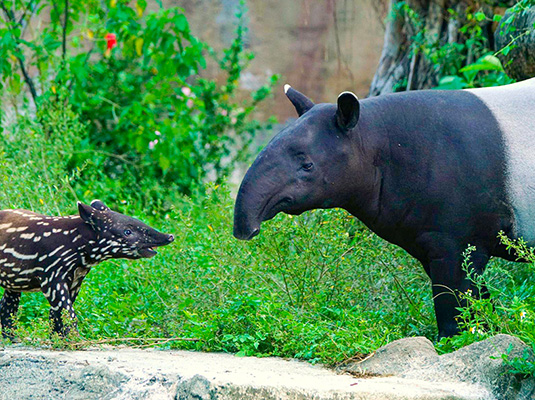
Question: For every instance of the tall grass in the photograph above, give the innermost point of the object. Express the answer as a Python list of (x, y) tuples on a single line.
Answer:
[(319, 287)]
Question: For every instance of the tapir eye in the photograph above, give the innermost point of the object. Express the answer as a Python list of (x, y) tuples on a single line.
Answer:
[(127, 232), (308, 166)]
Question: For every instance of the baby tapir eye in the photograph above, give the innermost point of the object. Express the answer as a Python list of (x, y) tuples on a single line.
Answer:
[(127, 232), (307, 166)]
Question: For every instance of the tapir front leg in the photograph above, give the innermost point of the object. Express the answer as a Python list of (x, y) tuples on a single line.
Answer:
[(449, 281), (9, 306), (61, 306)]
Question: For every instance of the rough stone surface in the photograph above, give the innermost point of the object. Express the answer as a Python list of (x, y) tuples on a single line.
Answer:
[(407, 367), (519, 63), (478, 364), (195, 388), (36, 375)]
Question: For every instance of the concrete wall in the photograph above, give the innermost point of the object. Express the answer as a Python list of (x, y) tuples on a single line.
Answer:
[(320, 47)]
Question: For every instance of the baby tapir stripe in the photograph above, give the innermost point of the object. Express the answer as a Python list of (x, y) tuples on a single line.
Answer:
[(54, 254)]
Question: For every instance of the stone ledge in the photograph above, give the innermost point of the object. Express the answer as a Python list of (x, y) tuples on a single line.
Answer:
[(124, 373)]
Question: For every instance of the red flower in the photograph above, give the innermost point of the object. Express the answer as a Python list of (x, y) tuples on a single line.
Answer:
[(111, 41)]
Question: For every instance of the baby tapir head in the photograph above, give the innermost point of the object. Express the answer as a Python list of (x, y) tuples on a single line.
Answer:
[(126, 237)]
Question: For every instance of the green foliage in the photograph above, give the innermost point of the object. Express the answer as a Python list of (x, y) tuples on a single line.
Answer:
[(139, 92), (337, 291), (509, 309), (453, 61), (34, 159), (319, 287), (470, 76), (143, 103)]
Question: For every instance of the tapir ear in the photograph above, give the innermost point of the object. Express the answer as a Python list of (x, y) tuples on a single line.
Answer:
[(348, 112), (301, 103), (99, 205), (87, 213)]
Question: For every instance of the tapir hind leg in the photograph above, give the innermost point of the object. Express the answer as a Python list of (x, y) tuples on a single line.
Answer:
[(9, 306), (449, 280)]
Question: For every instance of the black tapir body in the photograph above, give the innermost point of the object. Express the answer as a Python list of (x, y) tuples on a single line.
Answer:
[(431, 171), (54, 254)]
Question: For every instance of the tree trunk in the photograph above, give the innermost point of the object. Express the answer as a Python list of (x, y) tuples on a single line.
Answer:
[(429, 23), (519, 61)]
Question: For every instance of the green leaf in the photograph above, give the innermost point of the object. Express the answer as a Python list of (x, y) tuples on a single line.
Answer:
[(181, 23), (486, 63), (451, 83), (480, 16), (164, 163)]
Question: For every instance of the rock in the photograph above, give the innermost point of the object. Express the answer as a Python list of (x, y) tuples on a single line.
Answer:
[(195, 388), (519, 63), (397, 358), (479, 364), (39, 377)]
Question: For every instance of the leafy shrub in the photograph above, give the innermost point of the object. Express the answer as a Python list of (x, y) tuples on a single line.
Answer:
[(133, 77), (358, 292), (145, 104), (509, 309), (452, 60), (35, 157)]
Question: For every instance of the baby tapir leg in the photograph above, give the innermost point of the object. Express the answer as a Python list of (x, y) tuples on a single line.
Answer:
[(9, 306), (59, 297)]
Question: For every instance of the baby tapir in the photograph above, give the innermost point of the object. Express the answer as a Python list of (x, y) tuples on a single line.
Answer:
[(54, 254)]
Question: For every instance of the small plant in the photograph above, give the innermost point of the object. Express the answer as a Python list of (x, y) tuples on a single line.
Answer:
[(466, 63), (509, 309)]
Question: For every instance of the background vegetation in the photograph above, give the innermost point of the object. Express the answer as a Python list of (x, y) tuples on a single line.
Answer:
[(116, 108)]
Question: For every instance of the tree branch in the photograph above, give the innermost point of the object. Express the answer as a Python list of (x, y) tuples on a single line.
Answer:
[(9, 14), (11, 18), (65, 20), (31, 7)]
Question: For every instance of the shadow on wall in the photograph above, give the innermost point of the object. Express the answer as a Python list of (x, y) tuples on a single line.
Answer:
[(320, 47)]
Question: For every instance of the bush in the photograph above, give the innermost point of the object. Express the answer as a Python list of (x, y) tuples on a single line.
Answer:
[(35, 159), (133, 77), (145, 103), (509, 309), (318, 287)]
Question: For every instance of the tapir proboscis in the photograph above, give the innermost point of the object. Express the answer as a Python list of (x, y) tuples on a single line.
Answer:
[(430, 171)]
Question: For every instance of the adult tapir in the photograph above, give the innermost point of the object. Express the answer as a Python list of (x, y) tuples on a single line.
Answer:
[(431, 171)]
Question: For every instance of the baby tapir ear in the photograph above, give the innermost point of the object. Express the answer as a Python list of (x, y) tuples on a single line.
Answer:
[(348, 112), (301, 103), (87, 213), (99, 205)]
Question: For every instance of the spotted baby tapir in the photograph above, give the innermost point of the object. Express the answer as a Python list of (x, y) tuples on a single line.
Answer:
[(54, 254)]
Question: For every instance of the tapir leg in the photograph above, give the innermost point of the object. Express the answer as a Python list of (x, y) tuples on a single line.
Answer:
[(9, 306), (59, 297), (449, 279)]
